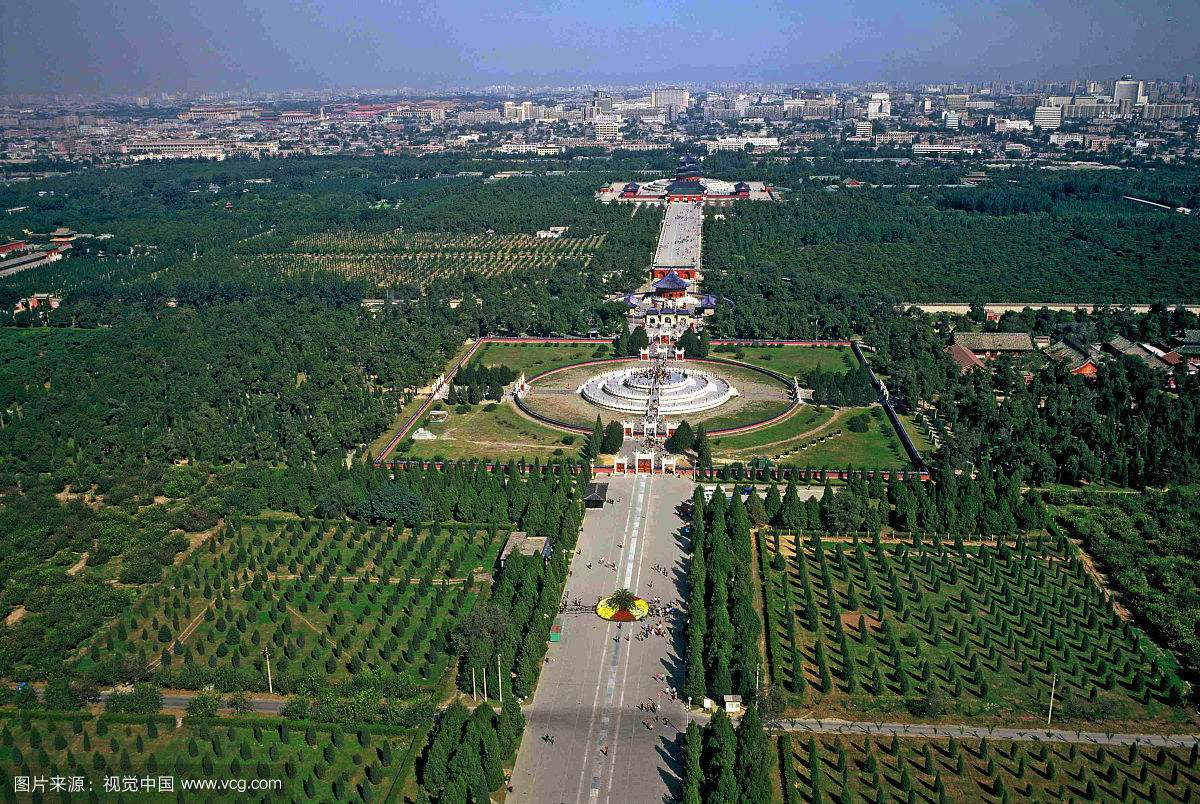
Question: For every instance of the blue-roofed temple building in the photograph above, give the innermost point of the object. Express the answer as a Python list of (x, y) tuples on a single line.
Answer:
[(671, 286)]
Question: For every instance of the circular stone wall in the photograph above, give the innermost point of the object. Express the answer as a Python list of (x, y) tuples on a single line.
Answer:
[(680, 391)]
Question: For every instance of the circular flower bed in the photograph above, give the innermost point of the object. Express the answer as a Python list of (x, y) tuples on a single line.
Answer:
[(637, 611)]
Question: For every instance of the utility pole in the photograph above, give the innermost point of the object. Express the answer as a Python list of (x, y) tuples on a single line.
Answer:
[(267, 656), (473, 698), (1053, 684), (485, 685), (499, 679)]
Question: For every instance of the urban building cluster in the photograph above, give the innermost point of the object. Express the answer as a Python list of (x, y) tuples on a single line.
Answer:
[(1118, 117)]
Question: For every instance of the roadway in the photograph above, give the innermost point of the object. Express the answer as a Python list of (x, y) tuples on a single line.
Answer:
[(590, 690)]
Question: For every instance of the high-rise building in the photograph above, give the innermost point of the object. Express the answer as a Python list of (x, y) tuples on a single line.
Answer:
[(879, 106), (669, 96), (951, 120), (608, 127), (1129, 92), (864, 128), (1048, 118)]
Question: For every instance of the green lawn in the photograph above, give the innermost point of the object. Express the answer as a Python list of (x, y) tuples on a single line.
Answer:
[(920, 441), (829, 443), (806, 418), (534, 358), (502, 433), (412, 406), (878, 448), (794, 360)]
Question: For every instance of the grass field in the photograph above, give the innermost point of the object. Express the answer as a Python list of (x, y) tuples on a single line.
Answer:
[(871, 628), (313, 763), (534, 358), (864, 769), (919, 439), (412, 406), (502, 433), (332, 599), (795, 361), (818, 437), (806, 419)]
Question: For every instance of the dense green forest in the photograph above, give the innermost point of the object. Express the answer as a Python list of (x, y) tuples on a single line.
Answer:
[(1147, 544), (173, 388), (723, 629), (765, 302), (1125, 427), (1042, 239)]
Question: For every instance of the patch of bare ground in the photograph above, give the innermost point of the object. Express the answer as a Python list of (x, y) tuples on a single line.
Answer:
[(850, 620), (88, 498), (15, 616), (197, 539), (1089, 565), (78, 566)]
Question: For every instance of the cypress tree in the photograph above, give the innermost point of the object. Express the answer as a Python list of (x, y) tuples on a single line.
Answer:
[(754, 759), (692, 773)]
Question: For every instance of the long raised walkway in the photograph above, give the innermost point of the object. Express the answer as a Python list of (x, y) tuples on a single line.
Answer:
[(1051, 735)]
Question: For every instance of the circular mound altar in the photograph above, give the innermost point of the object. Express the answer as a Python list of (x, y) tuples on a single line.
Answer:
[(677, 390), (637, 611)]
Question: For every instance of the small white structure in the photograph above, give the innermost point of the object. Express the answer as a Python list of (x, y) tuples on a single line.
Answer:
[(733, 704), (521, 386), (423, 435)]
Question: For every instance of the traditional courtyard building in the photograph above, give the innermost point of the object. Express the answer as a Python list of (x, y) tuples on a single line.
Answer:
[(688, 185)]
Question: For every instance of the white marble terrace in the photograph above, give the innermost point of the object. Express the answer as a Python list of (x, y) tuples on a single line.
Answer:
[(681, 391)]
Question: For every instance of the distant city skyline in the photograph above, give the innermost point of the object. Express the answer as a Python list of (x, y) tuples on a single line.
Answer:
[(152, 46)]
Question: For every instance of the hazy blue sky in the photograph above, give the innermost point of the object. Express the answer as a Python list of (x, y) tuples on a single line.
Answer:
[(156, 45)]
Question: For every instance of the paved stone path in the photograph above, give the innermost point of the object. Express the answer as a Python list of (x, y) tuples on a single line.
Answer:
[(997, 733), (590, 694)]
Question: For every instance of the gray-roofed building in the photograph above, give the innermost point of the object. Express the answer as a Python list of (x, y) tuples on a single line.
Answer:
[(1081, 359), (1123, 347), (1189, 345), (991, 344)]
